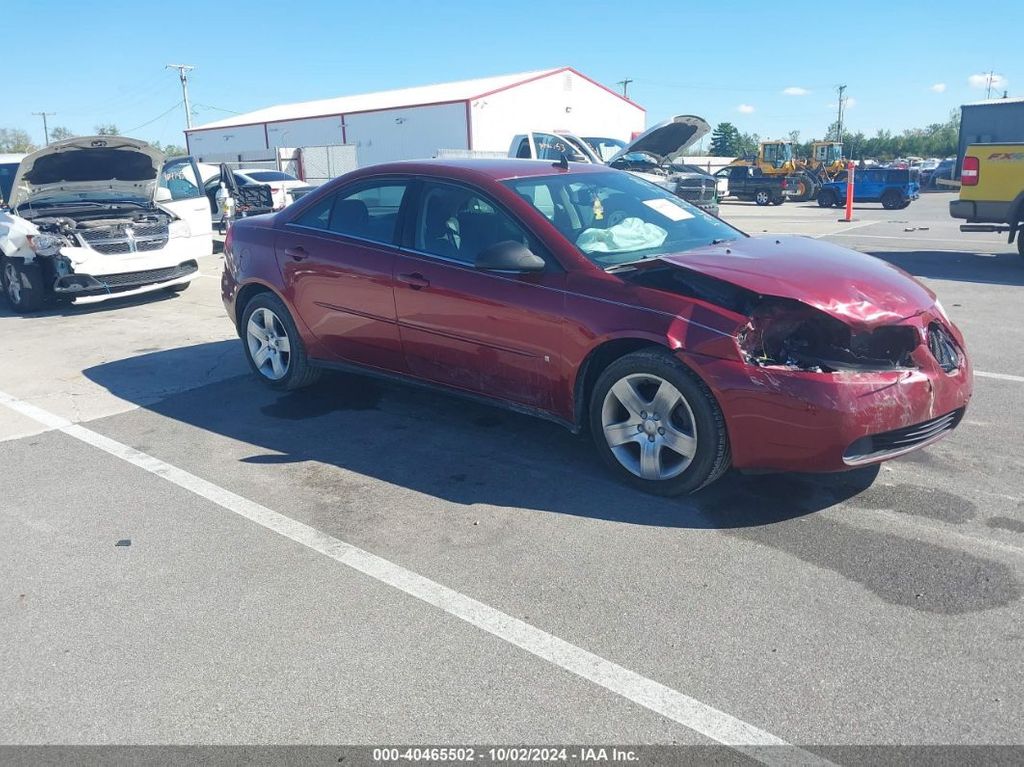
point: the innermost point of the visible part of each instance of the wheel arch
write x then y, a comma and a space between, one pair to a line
245, 294
597, 359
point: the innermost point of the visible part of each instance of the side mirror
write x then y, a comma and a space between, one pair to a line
509, 256
163, 194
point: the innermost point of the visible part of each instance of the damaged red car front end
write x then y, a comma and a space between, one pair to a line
815, 377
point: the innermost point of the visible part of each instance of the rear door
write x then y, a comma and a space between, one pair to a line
492, 333
182, 192
868, 184
337, 257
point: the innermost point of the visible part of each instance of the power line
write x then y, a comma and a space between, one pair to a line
217, 109
46, 129
183, 70
150, 122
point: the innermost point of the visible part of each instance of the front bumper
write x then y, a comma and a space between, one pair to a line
80, 286
792, 420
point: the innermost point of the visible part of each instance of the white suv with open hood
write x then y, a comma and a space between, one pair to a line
101, 217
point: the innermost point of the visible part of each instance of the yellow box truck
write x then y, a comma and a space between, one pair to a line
992, 190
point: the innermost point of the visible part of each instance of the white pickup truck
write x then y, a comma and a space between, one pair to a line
653, 156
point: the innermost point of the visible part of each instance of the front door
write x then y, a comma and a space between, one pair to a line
181, 192
495, 334
338, 259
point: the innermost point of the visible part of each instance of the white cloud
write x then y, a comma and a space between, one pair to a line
795, 90
981, 81
938, 88
745, 109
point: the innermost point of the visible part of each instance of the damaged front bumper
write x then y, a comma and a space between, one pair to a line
796, 420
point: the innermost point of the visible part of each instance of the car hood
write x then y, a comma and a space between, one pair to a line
110, 165
858, 289
667, 140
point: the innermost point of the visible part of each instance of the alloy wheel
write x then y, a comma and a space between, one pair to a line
268, 344
649, 426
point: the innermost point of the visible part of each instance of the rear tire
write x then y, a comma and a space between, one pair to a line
892, 200
677, 451
806, 188
22, 285
273, 346
779, 200
762, 197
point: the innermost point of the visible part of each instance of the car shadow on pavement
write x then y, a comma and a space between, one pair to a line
112, 304
962, 266
441, 445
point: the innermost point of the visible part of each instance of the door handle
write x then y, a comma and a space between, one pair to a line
298, 253
415, 281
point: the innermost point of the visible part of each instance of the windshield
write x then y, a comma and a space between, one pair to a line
269, 175
835, 153
615, 218
606, 148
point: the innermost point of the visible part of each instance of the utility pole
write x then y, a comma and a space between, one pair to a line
625, 87
988, 85
183, 70
842, 103
46, 129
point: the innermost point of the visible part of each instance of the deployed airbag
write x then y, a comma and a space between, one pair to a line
629, 235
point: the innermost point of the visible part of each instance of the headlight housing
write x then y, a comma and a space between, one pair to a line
45, 244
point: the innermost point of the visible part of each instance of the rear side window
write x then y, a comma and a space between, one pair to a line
369, 213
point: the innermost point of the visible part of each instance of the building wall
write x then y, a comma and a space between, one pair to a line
407, 134
219, 141
563, 101
311, 131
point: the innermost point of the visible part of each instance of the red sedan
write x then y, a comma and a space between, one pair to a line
595, 299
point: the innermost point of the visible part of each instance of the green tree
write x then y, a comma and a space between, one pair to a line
107, 129
749, 143
15, 140
725, 140
60, 133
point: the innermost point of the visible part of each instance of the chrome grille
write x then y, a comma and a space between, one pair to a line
126, 238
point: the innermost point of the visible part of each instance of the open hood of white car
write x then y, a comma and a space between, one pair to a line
667, 140
89, 168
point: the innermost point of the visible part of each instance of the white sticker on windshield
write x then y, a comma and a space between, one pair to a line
668, 209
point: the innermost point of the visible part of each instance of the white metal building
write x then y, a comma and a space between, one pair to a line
412, 123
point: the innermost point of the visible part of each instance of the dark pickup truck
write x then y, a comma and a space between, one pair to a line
745, 183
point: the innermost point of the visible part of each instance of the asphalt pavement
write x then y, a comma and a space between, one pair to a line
188, 557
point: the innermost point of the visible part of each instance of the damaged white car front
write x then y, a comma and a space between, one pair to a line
101, 217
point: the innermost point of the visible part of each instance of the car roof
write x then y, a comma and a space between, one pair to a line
480, 169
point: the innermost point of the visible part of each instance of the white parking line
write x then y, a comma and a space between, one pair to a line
672, 704
999, 376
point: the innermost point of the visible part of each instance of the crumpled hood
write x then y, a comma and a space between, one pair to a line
111, 165
667, 140
856, 288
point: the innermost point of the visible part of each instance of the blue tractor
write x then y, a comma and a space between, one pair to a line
895, 188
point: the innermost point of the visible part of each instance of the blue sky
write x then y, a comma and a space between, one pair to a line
906, 64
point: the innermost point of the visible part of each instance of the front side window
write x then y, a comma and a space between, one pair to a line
180, 179
614, 217
457, 223
368, 213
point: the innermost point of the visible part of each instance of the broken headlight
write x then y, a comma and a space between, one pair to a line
787, 333
46, 244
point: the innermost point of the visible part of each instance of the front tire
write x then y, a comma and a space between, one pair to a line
273, 346
657, 425
892, 200
827, 198
22, 285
